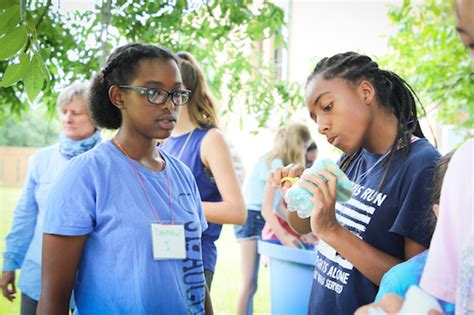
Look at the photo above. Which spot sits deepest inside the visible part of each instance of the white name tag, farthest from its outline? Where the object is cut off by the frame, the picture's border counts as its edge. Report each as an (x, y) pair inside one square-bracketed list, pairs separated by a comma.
[(168, 241)]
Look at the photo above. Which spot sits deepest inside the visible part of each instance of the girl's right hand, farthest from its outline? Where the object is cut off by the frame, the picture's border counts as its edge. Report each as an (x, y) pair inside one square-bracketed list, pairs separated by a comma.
[(7, 284)]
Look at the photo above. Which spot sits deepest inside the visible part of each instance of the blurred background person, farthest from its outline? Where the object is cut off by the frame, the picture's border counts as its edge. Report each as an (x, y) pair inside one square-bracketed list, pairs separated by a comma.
[(23, 243), (311, 154), (289, 146), (197, 142)]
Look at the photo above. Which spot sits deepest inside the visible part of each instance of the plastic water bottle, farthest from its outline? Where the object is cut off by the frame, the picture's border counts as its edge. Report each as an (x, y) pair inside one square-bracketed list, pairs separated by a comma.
[(298, 199)]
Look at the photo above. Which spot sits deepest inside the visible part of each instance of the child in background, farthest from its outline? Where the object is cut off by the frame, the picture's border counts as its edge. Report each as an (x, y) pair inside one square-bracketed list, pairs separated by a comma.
[(449, 268), (197, 142), (289, 146), (401, 277), (276, 229), (311, 154)]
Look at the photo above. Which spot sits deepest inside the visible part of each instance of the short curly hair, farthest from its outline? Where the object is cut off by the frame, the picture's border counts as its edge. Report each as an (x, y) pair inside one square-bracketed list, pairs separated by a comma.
[(121, 68)]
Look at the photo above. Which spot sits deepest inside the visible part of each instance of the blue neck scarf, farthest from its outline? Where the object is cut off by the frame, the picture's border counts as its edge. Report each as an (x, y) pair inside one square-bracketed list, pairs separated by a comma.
[(70, 148)]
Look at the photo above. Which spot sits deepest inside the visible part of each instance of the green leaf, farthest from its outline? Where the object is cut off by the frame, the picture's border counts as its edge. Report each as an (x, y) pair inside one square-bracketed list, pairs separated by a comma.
[(15, 72), (13, 42), (8, 3), (43, 67), (44, 53), (34, 78), (9, 19)]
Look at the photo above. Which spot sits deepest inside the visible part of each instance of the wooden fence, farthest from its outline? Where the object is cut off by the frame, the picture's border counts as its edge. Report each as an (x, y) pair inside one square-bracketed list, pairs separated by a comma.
[(14, 165)]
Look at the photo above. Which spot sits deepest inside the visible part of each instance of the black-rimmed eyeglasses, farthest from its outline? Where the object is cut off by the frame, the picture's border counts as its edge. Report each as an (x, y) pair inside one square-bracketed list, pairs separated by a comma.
[(159, 96)]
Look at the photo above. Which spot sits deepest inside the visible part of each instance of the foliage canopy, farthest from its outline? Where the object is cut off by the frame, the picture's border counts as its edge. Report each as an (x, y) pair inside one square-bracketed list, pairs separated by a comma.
[(426, 50), (49, 49)]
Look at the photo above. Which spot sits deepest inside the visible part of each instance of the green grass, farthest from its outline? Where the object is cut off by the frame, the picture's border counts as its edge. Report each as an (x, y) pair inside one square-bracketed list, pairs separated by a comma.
[(225, 286), (226, 283), (8, 198)]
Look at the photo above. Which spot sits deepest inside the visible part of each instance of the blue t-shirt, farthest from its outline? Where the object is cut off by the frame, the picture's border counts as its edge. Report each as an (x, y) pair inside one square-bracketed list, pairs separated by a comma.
[(189, 146), (255, 184), (99, 195), (402, 276), (381, 217), (23, 243)]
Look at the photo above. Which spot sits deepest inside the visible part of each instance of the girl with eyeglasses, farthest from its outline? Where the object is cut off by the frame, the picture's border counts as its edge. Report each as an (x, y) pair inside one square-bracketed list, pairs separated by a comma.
[(198, 143), (124, 222)]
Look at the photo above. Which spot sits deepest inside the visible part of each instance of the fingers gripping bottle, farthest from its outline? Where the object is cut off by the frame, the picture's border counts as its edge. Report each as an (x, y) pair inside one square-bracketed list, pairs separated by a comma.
[(299, 199)]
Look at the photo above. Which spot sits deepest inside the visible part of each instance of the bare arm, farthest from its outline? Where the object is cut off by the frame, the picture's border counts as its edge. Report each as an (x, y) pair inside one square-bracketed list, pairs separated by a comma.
[(61, 256), (300, 226), (271, 219), (216, 156), (208, 309), (370, 261)]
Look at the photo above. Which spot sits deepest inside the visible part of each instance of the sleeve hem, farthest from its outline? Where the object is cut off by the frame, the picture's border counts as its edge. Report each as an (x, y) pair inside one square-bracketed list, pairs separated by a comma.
[(9, 265), (67, 231), (414, 238)]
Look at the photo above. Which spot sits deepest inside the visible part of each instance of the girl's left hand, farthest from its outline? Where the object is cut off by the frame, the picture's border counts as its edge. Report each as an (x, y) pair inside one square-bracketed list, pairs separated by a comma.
[(323, 217)]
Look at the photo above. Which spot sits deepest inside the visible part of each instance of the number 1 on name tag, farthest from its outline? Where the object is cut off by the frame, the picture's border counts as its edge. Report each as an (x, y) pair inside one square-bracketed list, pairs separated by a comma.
[(168, 241)]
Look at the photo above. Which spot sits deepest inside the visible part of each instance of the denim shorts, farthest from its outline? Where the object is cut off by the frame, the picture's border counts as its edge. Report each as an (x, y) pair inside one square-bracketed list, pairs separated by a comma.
[(252, 229)]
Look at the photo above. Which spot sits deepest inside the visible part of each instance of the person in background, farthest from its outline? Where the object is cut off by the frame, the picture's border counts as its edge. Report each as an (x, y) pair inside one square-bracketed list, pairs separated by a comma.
[(124, 222), (311, 154), (276, 229), (401, 277), (23, 243), (290, 145), (447, 273), (465, 23), (197, 142)]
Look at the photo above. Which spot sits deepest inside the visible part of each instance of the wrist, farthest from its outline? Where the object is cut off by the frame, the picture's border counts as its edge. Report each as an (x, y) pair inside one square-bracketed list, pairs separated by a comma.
[(331, 234)]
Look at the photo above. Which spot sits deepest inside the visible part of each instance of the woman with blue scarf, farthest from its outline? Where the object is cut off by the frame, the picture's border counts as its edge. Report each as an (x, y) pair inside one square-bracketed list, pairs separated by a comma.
[(23, 243)]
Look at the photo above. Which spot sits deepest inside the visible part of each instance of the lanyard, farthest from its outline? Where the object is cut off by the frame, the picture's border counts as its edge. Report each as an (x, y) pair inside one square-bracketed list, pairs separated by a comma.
[(117, 144), (361, 177)]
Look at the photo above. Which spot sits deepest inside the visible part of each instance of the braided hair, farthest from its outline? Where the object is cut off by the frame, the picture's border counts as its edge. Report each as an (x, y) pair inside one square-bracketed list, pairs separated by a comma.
[(391, 91), (121, 68)]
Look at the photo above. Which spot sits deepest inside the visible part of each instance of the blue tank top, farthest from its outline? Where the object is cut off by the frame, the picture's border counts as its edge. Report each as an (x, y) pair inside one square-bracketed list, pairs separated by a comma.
[(187, 148)]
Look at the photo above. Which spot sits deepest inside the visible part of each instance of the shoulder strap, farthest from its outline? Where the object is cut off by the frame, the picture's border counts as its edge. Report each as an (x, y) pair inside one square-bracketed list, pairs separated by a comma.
[(185, 145)]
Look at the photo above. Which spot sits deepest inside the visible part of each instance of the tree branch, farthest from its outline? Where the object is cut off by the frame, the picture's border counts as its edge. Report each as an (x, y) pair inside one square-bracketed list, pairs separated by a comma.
[(40, 19)]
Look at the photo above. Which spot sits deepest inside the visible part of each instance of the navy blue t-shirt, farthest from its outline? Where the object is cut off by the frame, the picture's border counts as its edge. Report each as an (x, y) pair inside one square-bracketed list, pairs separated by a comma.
[(382, 217), (187, 148)]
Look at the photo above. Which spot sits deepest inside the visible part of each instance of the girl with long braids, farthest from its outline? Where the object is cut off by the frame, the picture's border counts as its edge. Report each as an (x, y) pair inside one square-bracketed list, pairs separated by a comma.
[(370, 114), (124, 222)]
